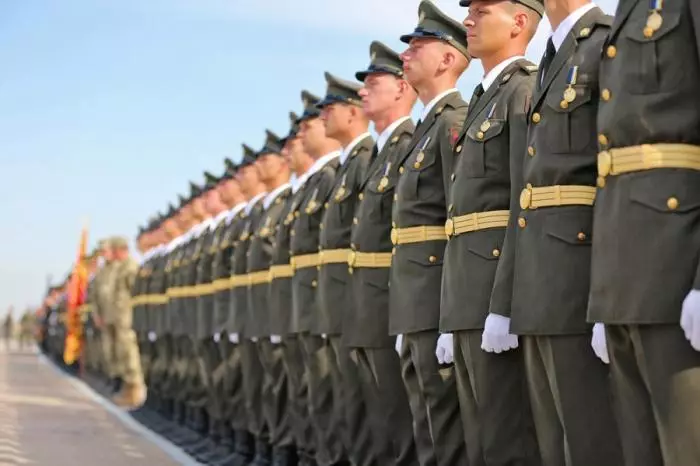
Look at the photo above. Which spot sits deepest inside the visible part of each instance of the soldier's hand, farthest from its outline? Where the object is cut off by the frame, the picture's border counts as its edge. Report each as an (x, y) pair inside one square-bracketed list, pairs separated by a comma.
[(444, 350), (690, 318), (600, 343), (152, 336), (275, 339), (399, 344), (497, 337), (233, 338)]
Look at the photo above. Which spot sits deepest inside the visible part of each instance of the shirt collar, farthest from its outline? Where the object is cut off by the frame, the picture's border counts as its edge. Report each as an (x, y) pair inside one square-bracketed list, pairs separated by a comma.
[(498, 69), (202, 227), (350, 147), (321, 162), (298, 181), (559, 35), (218, 219), (273, 195), (251, 204), (234, 211), (436, 99), (388, 131)]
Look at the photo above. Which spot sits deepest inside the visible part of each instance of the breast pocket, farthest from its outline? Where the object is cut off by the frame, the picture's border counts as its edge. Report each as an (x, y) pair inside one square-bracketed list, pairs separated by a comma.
[(380, 192), (482, 143), (569, 123), (418, 167), (651, 65)]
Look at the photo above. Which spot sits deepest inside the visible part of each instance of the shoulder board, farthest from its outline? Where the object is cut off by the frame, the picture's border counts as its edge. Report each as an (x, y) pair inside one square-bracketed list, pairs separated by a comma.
[(586, 30)]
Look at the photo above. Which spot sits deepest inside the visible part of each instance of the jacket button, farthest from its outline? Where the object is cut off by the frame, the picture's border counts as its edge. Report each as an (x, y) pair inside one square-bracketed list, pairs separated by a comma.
[(361, 196), (355, 221), (521, 222), (672, 203), (325, 205), (536, 117), (458, 149), (605, 95), (531, 151), (401, 170), (453, 176), (396, 197), (314, 283), (581, 236), (393, 251), (611, 51), (496, 253), (432, 259), (603, 139), (480, 135)]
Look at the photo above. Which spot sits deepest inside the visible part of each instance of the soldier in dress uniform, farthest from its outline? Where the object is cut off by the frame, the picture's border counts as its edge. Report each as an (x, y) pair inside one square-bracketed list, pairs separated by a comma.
[(305, 259), (387, 100), (435, 59), (139, 299), (248, 177), (548, 245), (493, 397), (133, 392), (646, 238), (205, 347), (227, 376), (274, 173), (94, 349), (280, 300), (344, 121)]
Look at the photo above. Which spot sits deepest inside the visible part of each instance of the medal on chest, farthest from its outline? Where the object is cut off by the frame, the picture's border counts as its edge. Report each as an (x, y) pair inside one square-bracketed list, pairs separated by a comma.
[(570, 93), (654, 20)]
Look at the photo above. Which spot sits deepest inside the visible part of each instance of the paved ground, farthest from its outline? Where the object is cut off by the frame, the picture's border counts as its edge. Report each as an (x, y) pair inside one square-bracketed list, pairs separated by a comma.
[(48, 418)]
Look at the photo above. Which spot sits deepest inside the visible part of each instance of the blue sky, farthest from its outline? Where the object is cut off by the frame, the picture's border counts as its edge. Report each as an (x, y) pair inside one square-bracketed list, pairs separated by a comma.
[(110, 107)]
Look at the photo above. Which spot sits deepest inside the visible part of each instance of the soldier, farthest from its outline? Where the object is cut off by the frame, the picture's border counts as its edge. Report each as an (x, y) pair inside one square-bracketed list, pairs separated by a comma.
[(345, 122), (104, 317), (646, 241), (92, 341), (280, 300), (493, 398), (9, 328), (435, 59), (255, 428), (548, 246), (139, 301), (304, 243), (387, 100), (133, 392), (274, 173), (227, 388)]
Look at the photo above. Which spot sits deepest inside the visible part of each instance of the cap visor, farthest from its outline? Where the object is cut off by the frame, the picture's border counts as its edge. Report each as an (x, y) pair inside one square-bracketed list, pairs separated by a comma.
[(406, 38), (361, 75)]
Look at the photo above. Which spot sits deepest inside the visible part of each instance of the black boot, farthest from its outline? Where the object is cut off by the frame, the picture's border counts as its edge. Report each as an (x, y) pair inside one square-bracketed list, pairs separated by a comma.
[(263, 454), (284, 456)]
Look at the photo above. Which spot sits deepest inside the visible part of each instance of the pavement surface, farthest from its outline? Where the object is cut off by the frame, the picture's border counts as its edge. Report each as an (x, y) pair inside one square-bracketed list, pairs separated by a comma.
[(50, 418)]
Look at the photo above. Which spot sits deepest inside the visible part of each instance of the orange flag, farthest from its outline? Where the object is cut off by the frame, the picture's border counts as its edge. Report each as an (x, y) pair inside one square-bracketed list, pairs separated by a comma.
[(77, 293)]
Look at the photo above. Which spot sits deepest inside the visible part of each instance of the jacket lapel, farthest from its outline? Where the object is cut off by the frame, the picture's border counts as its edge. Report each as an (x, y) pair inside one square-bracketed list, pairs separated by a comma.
[(381, 157), (623, 12), (562, 56)]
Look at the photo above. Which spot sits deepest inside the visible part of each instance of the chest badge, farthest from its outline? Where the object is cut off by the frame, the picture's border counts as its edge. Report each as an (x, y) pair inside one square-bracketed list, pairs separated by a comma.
[(654, 20), (384, 182), (341, 191), (570, 92)]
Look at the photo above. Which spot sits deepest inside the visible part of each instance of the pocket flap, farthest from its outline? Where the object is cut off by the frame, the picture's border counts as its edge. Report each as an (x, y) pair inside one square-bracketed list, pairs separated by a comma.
[(635, 31), (555, 99), (487, 244), (573, 226), (485, 130), (673, 191)]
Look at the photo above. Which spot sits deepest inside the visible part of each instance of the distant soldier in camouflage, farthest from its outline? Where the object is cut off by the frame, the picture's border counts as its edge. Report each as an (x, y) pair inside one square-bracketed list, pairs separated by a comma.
[(118, 323)]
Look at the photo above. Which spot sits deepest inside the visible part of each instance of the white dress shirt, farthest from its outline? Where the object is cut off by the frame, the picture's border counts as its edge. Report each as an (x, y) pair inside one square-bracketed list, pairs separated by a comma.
[(435, 100), (559, 35), (350, 147), (384, 137), (493, 74)]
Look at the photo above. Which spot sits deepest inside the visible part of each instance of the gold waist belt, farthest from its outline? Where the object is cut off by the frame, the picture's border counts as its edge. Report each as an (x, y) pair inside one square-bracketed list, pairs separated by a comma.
[(375, 260), (476, 221), (238, 280), (417, 234), (281, 271), (305, 261), (648, 157), (553, 196), (259, 278), (221, 284), (204, 289), (334, 256)]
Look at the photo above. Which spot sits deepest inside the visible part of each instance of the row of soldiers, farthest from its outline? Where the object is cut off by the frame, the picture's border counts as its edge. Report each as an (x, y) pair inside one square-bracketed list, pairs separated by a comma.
[(22, 331), (512, 281)]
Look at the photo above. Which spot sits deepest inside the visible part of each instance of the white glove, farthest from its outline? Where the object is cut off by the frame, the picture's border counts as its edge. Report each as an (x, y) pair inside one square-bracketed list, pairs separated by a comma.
[(233, 338), (600, 343), (444, 350), (690, 318), (275, 339), (254, 339), (497, 337), (152, 336), (324, 336), (399, 343), (217, 337)]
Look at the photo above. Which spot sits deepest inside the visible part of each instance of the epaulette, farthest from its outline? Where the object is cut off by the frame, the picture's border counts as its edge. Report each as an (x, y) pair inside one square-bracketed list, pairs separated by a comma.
[(586, 31)]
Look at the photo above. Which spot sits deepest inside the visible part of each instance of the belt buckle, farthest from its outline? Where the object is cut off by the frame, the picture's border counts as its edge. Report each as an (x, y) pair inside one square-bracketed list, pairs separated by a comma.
[(526, 197), (449, 227), (604, 163), (394, 236), (352, 258)]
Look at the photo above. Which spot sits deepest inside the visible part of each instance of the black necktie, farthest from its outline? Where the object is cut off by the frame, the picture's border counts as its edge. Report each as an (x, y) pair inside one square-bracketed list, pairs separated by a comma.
[(478, 92), (549, 54)]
